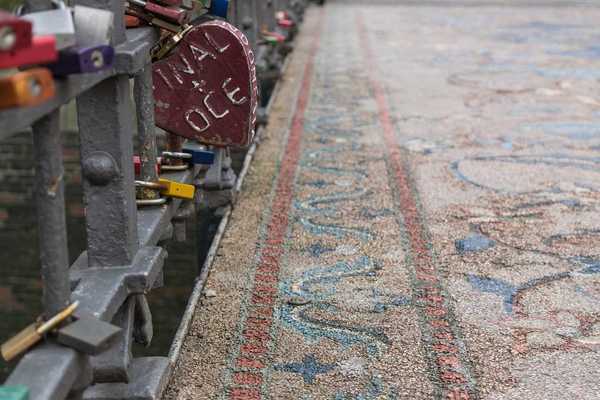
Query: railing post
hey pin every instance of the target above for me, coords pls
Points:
(106, 127)
(50, 203)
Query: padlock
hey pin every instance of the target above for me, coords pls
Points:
(41, 51)
(26, 88)
(190, 157)
(132, 22)
(149, 19)
(199, 157)
(272, 37)
(173, 15)
(93, 26)
(205, 88)
(87, 334)
(34, 333)
(16, 392)
(137, 165)
(15, 33)
(76, 60)
(57, 22)
(170, 188)
(219, 8)
(173, 3)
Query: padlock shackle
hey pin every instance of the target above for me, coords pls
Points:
(57, 319)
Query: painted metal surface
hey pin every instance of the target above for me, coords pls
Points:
(122, 263)
(206, 89)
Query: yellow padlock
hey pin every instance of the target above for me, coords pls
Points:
(176, 189)
(27, 88)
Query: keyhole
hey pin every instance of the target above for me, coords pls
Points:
(8, 38)
(35, 87)
(97, 59)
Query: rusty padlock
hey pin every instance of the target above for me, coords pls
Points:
(205, 88)
(27, 88)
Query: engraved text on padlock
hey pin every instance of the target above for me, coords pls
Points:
(206, 89)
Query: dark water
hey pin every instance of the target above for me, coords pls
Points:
(20, 285)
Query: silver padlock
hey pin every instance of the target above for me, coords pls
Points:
(93, 25)
(57, 22)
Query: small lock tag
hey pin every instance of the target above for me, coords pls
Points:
(41, 51)
(15, 33)
(176, 189)
(206, 89)
(219, 8)
(27, 88)
(57, 22)
(76, 60)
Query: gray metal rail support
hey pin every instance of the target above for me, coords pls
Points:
(50, 202)
(122, 262)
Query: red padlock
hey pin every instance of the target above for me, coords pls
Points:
(41, 51)
(15, 33)
(174, 15)
(285, 23)
(206, 88)
(137, 165)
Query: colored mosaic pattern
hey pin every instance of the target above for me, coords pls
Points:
(432, 229)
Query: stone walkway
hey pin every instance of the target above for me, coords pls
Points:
(422, 220)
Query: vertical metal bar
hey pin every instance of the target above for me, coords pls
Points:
(144, 102)
(50, 203)
(106, 127)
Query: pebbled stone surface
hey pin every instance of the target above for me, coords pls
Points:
(422, 219)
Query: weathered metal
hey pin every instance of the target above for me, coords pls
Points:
(206, 89)
(122, 262)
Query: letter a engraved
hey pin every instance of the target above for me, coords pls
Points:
(200, 54)
(188, 68)
(217, 46)
(211, 110)
(191, 123)
(164, 78)
(230, 94)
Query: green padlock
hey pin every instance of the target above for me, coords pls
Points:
(17, 392)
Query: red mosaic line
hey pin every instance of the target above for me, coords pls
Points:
(262, 302)
(452, 373)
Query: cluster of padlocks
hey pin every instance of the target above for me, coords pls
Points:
(201, 72)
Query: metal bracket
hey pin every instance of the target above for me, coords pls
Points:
(148, 379)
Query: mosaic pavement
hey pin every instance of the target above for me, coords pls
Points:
(423, 223)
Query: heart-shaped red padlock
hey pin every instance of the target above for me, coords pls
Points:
(206, 88)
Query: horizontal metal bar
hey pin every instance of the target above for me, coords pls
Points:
(49, 371)
(127, 61)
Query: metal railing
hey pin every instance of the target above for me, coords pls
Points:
(123, 260)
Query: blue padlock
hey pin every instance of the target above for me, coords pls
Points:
(219, 8)
(201, 157)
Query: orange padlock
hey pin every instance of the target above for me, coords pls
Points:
(27, 88)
